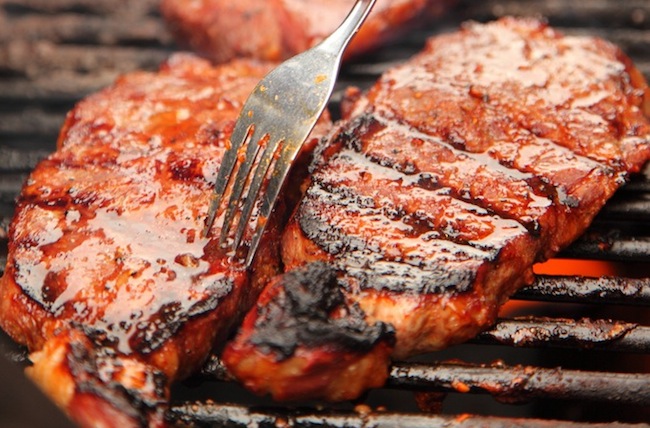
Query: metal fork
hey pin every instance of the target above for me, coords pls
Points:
(273, 124)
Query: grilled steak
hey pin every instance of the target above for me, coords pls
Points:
(109, 280)
(489, 151)
(223, 29)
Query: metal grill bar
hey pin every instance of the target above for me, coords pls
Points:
(563, 333)
(578, 289)
(521, 383)
(609, 246)
(628, 209)
(240, 416)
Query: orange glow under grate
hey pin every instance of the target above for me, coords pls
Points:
(574, 267)
(592, 268)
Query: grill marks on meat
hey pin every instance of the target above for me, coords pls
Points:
(489, 151)
(108, 274)
(405, 235)
(223, 29)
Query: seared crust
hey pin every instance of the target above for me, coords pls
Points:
(489, 151)
(301, 331)
(223, 29)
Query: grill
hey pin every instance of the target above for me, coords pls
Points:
(574, 347)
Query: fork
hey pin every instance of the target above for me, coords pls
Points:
(273, 124)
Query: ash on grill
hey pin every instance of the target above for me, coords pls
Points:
(574, 348)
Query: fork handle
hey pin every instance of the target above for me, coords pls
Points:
(336, 42)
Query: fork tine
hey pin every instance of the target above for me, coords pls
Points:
(270, 195)
(254, 189)
(224, 176)
(241, 179)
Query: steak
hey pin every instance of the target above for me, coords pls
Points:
(109, 281)
(223, 29)
(443, 185)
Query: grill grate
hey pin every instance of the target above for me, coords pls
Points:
(607, 290)
(241, 416)
(577, 341)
